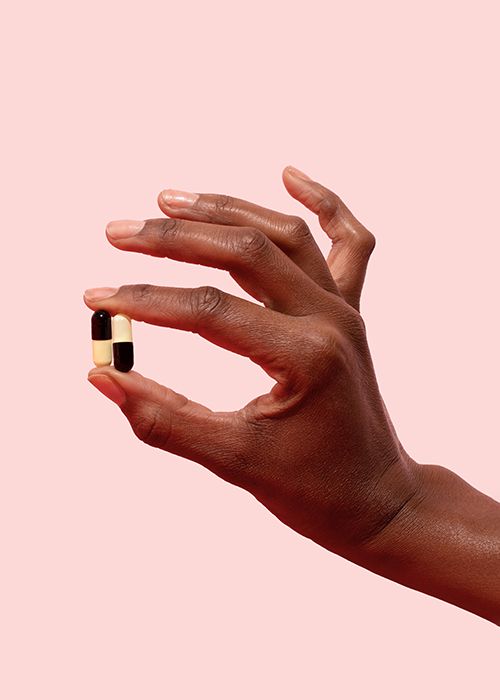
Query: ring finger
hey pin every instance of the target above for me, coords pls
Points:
(290, 233)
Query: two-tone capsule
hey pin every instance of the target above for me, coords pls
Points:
(112, 341)
(102, 353)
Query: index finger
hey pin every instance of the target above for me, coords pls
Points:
(290, 233)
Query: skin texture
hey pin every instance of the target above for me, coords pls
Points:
(319, 450)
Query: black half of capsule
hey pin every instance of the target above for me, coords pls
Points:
(101, 325)
(123, 356)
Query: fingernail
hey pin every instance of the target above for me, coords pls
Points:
(177, 198)
(99, 293)
(295, 172)
(108, 387)
(124, 228)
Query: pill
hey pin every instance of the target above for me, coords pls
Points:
(101, 338)
(123, 348)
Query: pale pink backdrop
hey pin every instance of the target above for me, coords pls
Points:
(128, 573)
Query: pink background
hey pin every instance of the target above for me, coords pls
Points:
(130, 573)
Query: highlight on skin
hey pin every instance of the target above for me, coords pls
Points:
(344, 479)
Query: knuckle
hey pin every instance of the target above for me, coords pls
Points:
(321, 351)
(329, 210)
(325, 346)
(205, 301)
(251, 243)
(168, 229)
(297, 230)
(152, 427)
(354, 325)
(223, 204)
(366, 242)
(141, 293)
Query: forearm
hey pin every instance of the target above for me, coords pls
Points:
(444, 542)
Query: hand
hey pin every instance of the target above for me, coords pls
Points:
(319, 449)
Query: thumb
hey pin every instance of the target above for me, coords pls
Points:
(165, 419)
(352, 243)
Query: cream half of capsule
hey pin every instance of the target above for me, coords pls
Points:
(102, 352)
(122, 329)
(123, 347)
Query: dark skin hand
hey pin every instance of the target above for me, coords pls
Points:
(319, 450)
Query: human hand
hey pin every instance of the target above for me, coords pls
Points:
(318, 450)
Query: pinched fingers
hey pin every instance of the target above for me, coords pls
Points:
(267, 337)
(256, 263)
(352, 243)
(290, 233)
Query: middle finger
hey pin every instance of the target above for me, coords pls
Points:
(255, 262)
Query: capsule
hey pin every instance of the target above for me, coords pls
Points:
(102, 353)
(123, 347)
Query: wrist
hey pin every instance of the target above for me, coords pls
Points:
(398, 494)
(444, 540)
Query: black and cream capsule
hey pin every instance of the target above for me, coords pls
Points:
(102, 353)
(123, 347)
